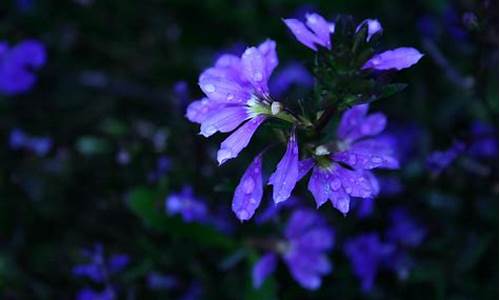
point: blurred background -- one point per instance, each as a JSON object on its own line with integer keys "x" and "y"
{"x": 96, "y": 142}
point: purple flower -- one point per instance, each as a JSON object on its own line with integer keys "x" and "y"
{"x": 360, "y": 145}
{"x": 399, "y": 58}
{"x": 404, "y": 230}
{"x": 374, "y": 27}
{"x": 366, "y": 253}
{"x": 263, "y": 268}
{"x": 273, "y": 209}
{"x": 293, "y": 73}
{"x": 308, "y": 238}
{"x": 248, "y": 193}
{"x": 17, "y": 65}
{"x": 287, "y": 171}
{"x": 438, "y": 161}
{"x": 187, "y": 205}
{"x": 315, "y": 32}
{"x": 237, "y": 91}
{"x": 99, "y": 267}
{"x": 361, "y": 148}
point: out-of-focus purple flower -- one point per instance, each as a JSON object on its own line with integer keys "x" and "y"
{"x": 157, "y": 281}
{"x": 98, "y": 267}
{"x": 123, "y": 157}
{"x": 484, "y": 141}
{"x": 20, "y": 140}
{"x": 399, "y": 58}
{"x": 374, "y": 27}
{"x": 438, "y": 161}
{"x": 187, "y": 205}
{"x": 286, "y": 175}
{"x": 404, "y": 229}
{"x": 407, "y": 138}
{"x": 427, "y": 26}
{"x": 364, "y": 206}
{"x": 194, "y": 292}
{"x": 263, "y": 268}
{"x": 236, "y": 89}
{"x": 90, "y": 294}
{"x": 163, "y": 166}
{"x": 315, "y": 32}
{"x": 248, "y": 193}
{"x": 366, "y": 253}
{"x": 292, "y": 74}
{"x": 17, "y": 64}
{"x": 453, "y": 24}
{"x": 308, "y": 238}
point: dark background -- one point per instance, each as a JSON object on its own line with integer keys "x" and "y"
{"x": 108, "y": 87}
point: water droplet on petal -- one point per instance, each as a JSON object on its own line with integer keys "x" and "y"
{"x": 376, "y": 160}
{"x": 209, "y": 88}
{"x": 230, "y": 97}
{"x": 258, "y": 76}
{"x": 335, "y": 184}
{"x": 248, "y": 185}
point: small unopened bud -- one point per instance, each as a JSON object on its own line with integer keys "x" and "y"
{"x": 321, "y": 150}
{"x": 276, "y": 107}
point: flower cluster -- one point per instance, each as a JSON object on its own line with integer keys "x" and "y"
{"x": 238, "y": 99}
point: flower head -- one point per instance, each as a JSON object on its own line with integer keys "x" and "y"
{"x": 315, "y": 32}
{"x": 307, "y": 239}
{"x": 236, "y": 90}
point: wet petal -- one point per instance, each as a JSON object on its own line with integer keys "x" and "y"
{"x": 238, "y": 140}
{"x": 369, "y": 154}
{"x": 374, "y": 27}
{"x": 318, "y": 185}
{"x": 225, "y": 119}
{"x": 268, "y": 50}
{"x": 302, "y": 34}
{"x": 354, "y": 183}
{"x": 304, "y": 167}
{"x": 255, "y": 69}
{"x": 198, "y": 111}
{"x": 248, "y": 193}
{"x": 264, "y": 267}
{"x": 221, "y": 85}
{"x": 400, "y": 58}
{"x": 351, "y": 120}
{"x": 287, "y": 171}
{"x": 321, "y": 28}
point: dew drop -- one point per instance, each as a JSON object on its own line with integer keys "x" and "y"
{"x": 376, "y": 160}
{"x": 248, "y": 185}
{"x": 209, "y": 88}
{"x": 335, "y": 184}
{"x": 230, "y": 97}
{"x": 258, "y": 76}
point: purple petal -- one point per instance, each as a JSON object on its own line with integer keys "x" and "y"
{"x": 355, "y": 183}
{"x": 238, "y": 140}
{"x": 264, "y": 267}
{"x": 374, "y": 27}
{"x": 369, "y": 154}
{"x": 224, "y": 120}
{"x": 28, "y": 53}
{"x": 341, "y": 201}
{"x": 302, "y": 34}
{"x": 220, "y": 84}
{"x": 351, "y": 120}
{"x": 287, "y": 171}
{"x": 291, "y": 74}
{"x": 304, "y": 167}
{"x": 400, "y": 58}
{"x": 319, "y": 186}
{"x": 321, "y": 238}
{"x": 307, "y": 267}
{"x": 321, "y": 28}
{"x": 198, "y": 111}
{"x": 268, "y": 50}
{"x": 255, "y": 69}
{"x": 248, "y": 193}
{"x": 301, "y": 221}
